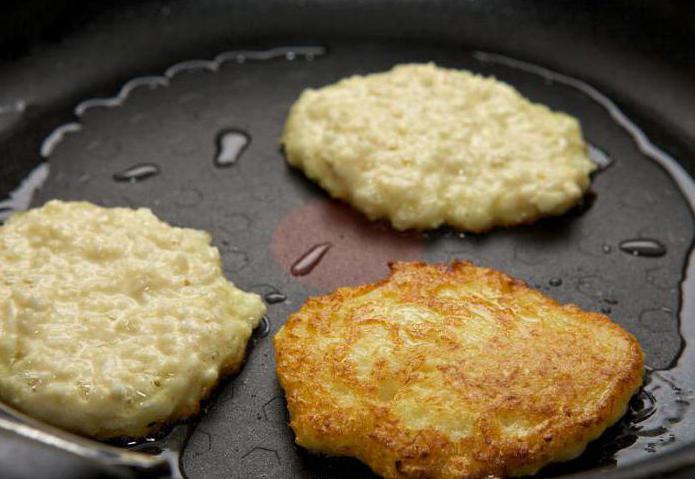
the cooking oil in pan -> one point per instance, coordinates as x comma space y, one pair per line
20, 198
271, 295
230, 146
643, 247
600, 157
306, 263
136, 173
263, 329
274, 297
657, 416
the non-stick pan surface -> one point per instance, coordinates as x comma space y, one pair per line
191, 131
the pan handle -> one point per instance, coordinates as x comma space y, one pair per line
164, 465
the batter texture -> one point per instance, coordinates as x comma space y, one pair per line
112, 322
458, 372
424, 146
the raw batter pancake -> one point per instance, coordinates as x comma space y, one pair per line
424, 146
112, 322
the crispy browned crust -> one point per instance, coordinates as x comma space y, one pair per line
458, 372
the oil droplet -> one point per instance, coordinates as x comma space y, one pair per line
136, 173
606, 248
20, 198
555, 282
168, 443
263, 328
642, 406
657, 408
600, 157
274, 297
57, 136
191, 66
230, 145
309, 260
643, 247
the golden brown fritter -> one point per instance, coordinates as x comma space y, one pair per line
452, 373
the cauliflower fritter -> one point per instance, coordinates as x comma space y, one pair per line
423, 146
452, 373
112, 322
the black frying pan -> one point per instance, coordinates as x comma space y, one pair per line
94, 92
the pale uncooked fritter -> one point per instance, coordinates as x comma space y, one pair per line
452, 373
423, 146
112, 322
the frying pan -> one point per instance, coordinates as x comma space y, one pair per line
194, 96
